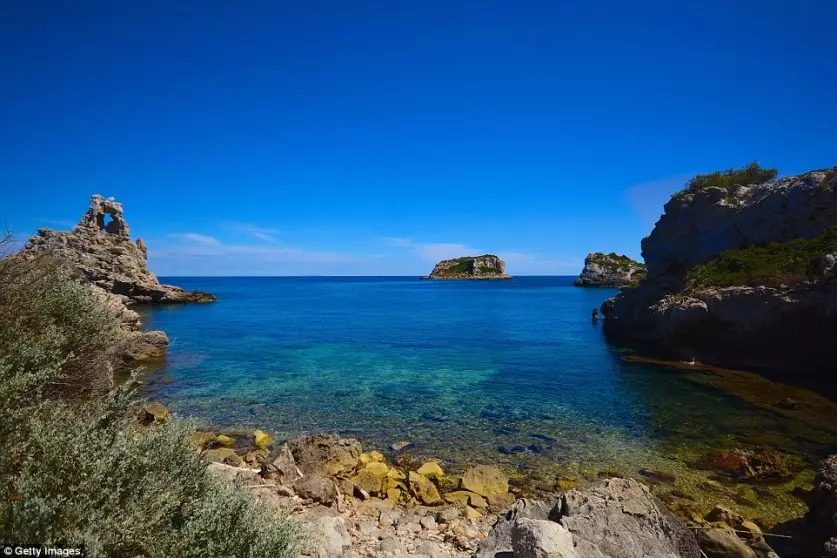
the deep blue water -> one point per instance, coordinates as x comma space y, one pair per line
458, 368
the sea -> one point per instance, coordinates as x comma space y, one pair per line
512, 373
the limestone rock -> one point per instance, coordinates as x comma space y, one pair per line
281, 465
327, 538
486, 266
722, 542
153, 412
317, 488
430, 470
424, 490
615, 519
104, 255
326, 455
609, 270
538, 538
261, 438
222, 455
782, 326
485, 481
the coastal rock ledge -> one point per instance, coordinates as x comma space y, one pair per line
741, 275
609, 270
101, 253
486, 266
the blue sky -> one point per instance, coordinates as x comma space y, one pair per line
285, 138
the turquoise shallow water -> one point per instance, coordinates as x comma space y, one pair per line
466, 371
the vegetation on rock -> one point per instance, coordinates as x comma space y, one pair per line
770, 264
751, 174
76, 467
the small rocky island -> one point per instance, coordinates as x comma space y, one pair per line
742, 270
609, 270
100, 252
486, 266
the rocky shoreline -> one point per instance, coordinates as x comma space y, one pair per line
364, 503
741, 275
103, 256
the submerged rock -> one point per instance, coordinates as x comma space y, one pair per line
485, 481
761, 463
609, 270
486, 266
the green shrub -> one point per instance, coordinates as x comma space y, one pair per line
751, 174
75, 468
768, 264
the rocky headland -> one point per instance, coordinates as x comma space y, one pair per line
102, 255
741, 271
486, 266
609, 270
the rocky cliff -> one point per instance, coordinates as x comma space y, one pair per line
486, 266
104, 254
100, 250
741, 274
609, 270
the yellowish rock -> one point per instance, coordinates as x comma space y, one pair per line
477, 501
261, 438
499, 502
471, 513
225, 441
459, 498
204, 440
395, 474
567, 483
222, 455
154, 412
368, 481
424, 490
377, 468
431, 470
376, 456
485, 481
394, 494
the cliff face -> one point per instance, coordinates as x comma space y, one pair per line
104, 254
609, 270
716, 284
105, 257
486, 266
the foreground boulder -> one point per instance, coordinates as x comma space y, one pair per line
609, 270
326, 455
486, 266
618, 518
741, 274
